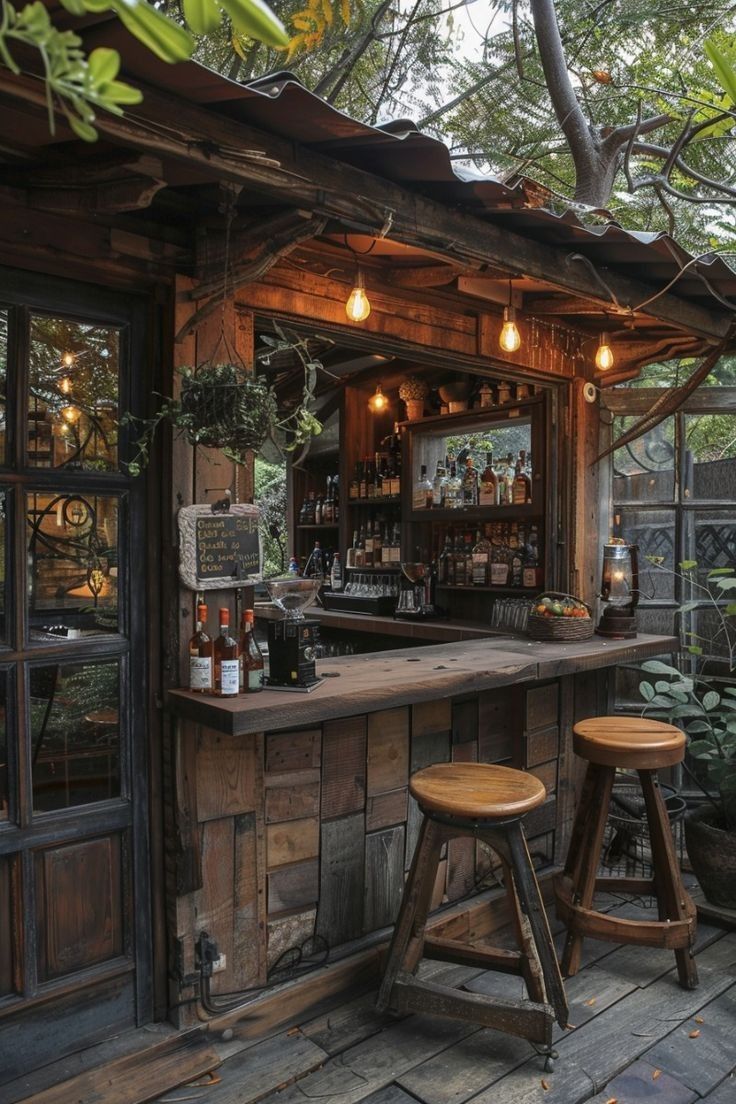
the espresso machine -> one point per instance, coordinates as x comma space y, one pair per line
293, 639
415, 592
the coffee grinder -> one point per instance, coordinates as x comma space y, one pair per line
415, 594
292, 640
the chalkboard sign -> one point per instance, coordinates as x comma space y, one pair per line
218, 550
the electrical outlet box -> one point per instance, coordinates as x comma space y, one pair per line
219, 964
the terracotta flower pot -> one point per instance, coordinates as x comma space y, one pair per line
414, 409
712, 852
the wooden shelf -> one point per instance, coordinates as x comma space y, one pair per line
510, 590
493, 413
331, 525
480, 513
385, 570
387, 500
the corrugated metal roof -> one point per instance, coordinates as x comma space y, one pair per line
399, 152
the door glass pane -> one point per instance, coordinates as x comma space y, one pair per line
713, 542
3, 381
644, 470
73, 394
74, 733
710, 455
4, 502
654, 532
4, 769
72, 564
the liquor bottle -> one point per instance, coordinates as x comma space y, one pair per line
488, 490
363, 480
315, 565
510, 470
396, 544
521, 491
200, 656
327, 503
526, 473
439, 486
368, 560
335, 499
350, 561
227, 664
533, 572
443, 561
304, 512
515, 557
336, 573
360, 549
293, 568
501, 483
318, 511
370, 479
354, 484
377, 544
453, 489
251, 657
470, 484
311, 508
499, 565
422, 496
395, 459
481, 560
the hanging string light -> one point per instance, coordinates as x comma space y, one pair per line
358, 306
604, 353
509, 339
378, 402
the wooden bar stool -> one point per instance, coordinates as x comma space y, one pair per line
631, 743
487, 802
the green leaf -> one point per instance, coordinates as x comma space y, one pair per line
730, 609
104, 64
687, 606
688, 565
699, 749
75, 7
694, 649
255, 19
723, 68
120, 92
82, 130
726, 584
646, 690
720, 571
686, 711
697, 726
711, 700
164, 38
203, 16
657, 667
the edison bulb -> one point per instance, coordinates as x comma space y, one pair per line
604, 354
378, 402
509, 339
65, 385
70, 414
358, 306
67, 360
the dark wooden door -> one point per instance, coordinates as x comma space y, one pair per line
74, 899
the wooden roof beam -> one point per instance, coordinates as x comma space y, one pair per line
274, 165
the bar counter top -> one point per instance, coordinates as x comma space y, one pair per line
385, 680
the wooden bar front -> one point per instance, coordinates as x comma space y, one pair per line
292, 815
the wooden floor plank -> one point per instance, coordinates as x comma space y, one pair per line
701, 1061
725, 1093
643, 1083
465, 1069
266, 1068
529, 1084
137, 1078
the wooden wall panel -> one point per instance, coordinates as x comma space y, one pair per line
248, 966
384, 877
388, 750
465, 723
226, 774
542, 706
344, 766
431, 717
293, 887
79, 905
460, 867
287, 751
6, 929
292, 841
547, 775
427, 747
540, 746
215, 902
288, 799
340, 911
496, 727
386, 809
288, 933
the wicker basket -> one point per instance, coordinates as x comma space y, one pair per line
559, 628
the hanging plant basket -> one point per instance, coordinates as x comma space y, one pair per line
223, 407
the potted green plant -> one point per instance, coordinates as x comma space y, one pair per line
703, 703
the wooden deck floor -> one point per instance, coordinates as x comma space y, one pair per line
636, 1037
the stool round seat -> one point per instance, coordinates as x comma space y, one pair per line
634, 742
476, 791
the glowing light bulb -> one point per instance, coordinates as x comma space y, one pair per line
604, 354
378, 402
70, 414
509, 339
67, 360
65, 385
358, 306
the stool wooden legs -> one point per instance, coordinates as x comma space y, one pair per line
575, 888
535, 960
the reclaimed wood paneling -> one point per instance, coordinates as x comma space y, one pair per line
465, 722
344, 766
188, 859
286, 751
388, 750
547, 775
248, 965
76, 928
292, 841
6, 929
287, 800
460, 867
340, 912
427, 747
428, 718
293, 887
495, 726
386, 809
541, 819
287, 933
542, 706
225, 775
216, 900
384, 877
541, 745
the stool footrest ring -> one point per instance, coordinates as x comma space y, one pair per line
670, 934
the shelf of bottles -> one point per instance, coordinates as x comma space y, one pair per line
317, 521
374, 502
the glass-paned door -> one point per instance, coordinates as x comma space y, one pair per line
74, 906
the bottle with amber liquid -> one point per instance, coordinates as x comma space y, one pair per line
227, 664
251, 657
200, 656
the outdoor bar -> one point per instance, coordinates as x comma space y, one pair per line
387, 525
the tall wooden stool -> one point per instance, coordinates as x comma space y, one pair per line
632, 743
487, 802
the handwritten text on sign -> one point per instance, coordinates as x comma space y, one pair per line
219, 550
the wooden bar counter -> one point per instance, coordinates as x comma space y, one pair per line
292, 815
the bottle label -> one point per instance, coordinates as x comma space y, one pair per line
419, 500
255, 679
487, 496
480, 568
499, 574
200, 672
229, 676
529, 577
